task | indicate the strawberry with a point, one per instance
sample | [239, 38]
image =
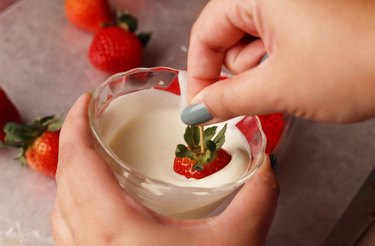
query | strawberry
[8, 112]
[195, 161]
[116, 48]
[39, 142]
[185, 166]
[273, 126]
[88, 15]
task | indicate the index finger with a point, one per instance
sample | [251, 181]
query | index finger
[219, 27]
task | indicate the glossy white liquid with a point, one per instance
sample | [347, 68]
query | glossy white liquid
[144, 128]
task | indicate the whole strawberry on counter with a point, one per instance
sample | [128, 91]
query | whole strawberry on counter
[116, 47]
[8, 112]
[202, 156]
[39, 142]
[88, 15]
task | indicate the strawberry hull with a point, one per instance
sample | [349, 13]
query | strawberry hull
[38, 143]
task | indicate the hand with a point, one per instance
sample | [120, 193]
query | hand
[92, 209]
[321, 59]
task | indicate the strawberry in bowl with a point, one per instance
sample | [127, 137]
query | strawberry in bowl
[135, 120]
[202, 156]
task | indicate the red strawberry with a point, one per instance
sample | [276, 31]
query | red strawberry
[196, 161]
[43, 152]
[273, 127]
[116, 48]
[8, 113]
[185, 166]
[39, 142]
[89, 15]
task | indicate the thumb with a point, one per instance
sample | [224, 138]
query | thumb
[251, 211]
[85, 183]
[255, 91]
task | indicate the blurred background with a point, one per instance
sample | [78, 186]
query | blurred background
[44, 67]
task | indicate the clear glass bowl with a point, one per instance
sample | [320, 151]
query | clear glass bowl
[162, 197]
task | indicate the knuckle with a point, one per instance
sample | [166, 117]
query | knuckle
[224, 101]
[106, 233]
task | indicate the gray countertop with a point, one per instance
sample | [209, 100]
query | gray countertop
[44, 68]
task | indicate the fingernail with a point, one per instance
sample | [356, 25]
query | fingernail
[265, 57]
[274, 165]
[195, 114]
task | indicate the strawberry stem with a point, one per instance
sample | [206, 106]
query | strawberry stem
[200, 146]
[201, 138]
[23, 136]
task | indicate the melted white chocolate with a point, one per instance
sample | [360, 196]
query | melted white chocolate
[144, 128]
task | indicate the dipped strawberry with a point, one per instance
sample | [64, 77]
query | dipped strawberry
[202, 156]
[39, 142]
[116, 48]
[8, 113]
[88, 15]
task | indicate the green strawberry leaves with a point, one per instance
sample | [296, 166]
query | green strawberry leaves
[144, 37]
[181, 151]
[193, 148]
[220, 137]
[20, 135]
[211, 146]
[129, 23]
[209, 132]
[127, 20]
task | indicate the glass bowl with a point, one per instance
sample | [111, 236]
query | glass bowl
[163, 197]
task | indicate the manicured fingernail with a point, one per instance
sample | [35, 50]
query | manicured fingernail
[274, 165]
[265, 57]
[195, 114]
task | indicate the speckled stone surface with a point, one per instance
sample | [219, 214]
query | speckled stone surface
[44, 68]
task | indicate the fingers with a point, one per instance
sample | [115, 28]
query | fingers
[220, 26]
[76, 155]
[256, 91]
[221, 35]
[244, 55]
[87, 189]
[79, 165]
[251, 211]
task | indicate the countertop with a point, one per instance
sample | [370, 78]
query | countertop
[44, 68]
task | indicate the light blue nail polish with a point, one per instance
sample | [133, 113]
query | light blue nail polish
[195, 114]
[265, 57]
